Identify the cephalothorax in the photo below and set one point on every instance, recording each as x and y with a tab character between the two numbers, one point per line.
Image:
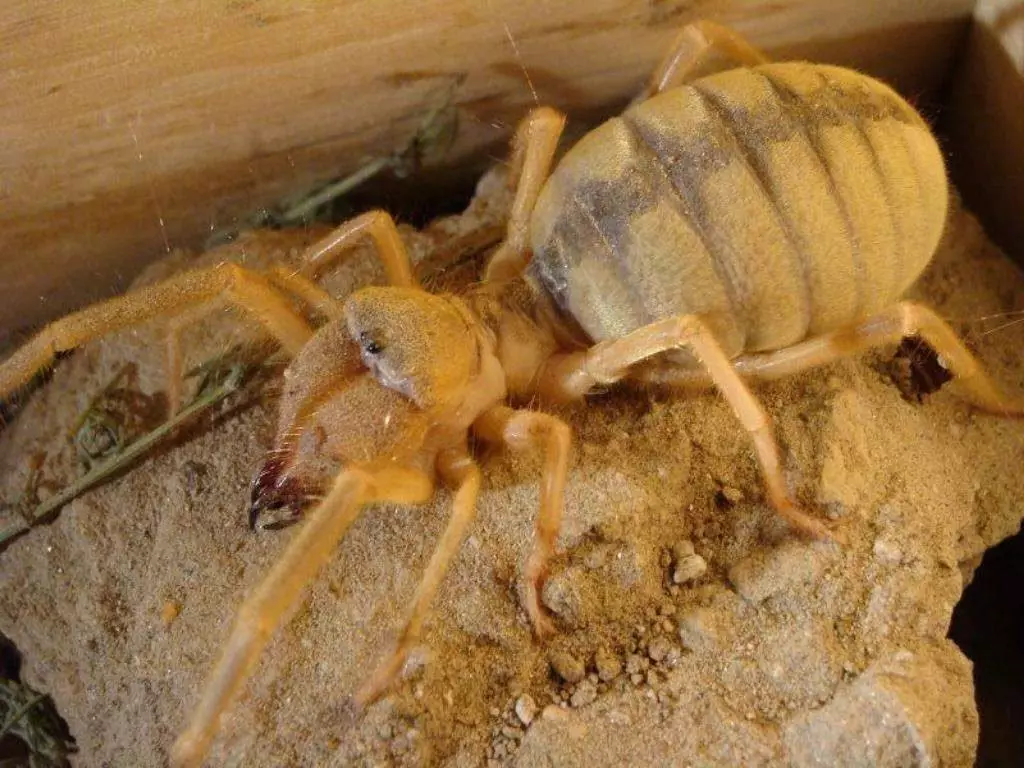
747	224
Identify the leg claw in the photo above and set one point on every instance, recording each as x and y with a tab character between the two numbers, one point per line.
543	627
816	529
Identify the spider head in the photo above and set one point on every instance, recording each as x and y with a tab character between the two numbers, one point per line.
366	387
413	342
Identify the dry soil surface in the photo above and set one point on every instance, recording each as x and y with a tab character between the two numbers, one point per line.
695	629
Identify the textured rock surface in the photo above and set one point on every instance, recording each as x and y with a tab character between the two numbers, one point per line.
906	709
779	651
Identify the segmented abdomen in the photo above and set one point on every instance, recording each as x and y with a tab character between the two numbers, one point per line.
779	201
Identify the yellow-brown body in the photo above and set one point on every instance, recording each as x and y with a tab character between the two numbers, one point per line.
779	202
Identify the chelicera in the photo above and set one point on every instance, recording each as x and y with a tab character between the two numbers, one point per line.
741	226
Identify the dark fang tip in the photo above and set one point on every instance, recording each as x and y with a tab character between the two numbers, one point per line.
266	479
275	501
254	514
272	516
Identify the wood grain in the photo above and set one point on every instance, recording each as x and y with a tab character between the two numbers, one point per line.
127	129
985	122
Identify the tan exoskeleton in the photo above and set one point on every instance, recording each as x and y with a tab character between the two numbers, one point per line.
747	224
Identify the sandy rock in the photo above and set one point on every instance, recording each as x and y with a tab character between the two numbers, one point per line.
584	694
608	665
767	572
689	569
658	649
887	551
689	566
626	729
844	485
700	630
568	667
526	709
628	567
563	595
909	709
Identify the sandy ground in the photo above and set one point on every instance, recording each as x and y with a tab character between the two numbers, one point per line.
778	652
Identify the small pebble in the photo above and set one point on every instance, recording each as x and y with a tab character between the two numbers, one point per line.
768	572
584	694
688	569
633	664
658	649
567	666
732	495
526	709
563	595
682	549
608	665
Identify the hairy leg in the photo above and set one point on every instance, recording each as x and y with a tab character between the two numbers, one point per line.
304	288
689	50
172	348
241	287
528	430
380	228
285	280
277	595
571	376
533	151
457	468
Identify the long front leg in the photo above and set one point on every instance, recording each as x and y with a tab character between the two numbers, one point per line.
284	280
572	376
533	151
277	595
457	468
527	430
690	49
241	287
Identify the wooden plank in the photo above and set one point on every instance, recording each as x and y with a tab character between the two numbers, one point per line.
131	128
985	122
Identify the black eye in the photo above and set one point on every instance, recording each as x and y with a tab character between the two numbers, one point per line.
371	346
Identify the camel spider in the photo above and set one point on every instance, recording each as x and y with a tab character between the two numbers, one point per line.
745	225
